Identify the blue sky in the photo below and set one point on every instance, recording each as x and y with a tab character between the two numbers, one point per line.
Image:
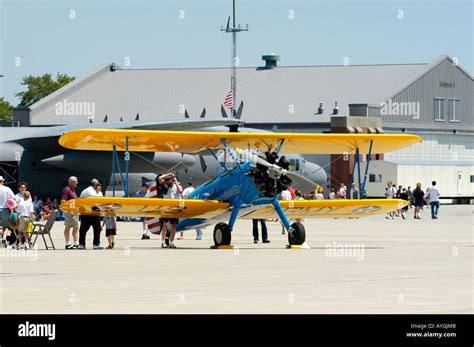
39	36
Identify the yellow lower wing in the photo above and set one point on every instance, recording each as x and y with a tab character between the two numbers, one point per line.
329	208
144	207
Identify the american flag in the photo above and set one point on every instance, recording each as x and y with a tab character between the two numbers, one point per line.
153	223
229	100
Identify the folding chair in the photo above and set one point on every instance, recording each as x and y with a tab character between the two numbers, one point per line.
45	229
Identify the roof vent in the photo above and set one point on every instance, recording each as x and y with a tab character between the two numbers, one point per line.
320	109
270	61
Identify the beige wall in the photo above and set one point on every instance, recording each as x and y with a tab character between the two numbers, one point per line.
446	177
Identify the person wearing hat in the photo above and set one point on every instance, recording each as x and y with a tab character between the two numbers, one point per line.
141	194
88	221
70	221
5	194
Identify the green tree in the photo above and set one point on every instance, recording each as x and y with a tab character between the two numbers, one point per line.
40	86
6	111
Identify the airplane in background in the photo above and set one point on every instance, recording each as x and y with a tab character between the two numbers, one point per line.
249	189
32	154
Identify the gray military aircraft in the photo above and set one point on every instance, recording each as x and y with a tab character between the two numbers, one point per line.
32	154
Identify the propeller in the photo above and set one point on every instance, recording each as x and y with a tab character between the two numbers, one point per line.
275	171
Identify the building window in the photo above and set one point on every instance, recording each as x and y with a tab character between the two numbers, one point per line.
373	178
472	178
453	110
439	110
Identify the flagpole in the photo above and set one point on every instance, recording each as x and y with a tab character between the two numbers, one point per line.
233	80
234	61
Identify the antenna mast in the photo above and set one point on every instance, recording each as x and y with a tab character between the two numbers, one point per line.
234	30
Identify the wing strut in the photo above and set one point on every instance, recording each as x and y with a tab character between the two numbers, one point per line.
280	146
351	179
362	191
116	162
361	184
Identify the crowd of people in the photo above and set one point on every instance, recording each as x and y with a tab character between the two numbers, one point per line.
22	220
30	209
417	199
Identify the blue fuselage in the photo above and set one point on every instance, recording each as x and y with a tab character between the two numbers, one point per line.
235	187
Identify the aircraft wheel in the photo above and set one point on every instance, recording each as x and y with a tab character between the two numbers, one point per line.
298	235
222	234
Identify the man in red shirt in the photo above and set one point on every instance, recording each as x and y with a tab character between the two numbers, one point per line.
70	221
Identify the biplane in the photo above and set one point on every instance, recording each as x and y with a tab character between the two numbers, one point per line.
249	189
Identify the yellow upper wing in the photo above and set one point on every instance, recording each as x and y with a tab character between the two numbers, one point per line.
329	208
193	142
144	207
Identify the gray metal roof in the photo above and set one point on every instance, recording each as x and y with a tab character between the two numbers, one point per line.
284	94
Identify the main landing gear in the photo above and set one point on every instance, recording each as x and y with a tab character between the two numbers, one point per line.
296	234
222	234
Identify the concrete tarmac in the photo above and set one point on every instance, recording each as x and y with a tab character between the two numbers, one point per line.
369	265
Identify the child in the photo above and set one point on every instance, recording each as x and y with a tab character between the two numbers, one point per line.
110	230
27	214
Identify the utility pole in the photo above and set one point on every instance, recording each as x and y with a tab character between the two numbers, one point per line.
234	30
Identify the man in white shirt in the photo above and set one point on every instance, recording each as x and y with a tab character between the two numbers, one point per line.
390	192
88	221
22	187
433	196
5	193
186	192
285	195
342	192
174	192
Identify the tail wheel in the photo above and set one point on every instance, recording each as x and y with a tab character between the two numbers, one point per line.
298	235
222	234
